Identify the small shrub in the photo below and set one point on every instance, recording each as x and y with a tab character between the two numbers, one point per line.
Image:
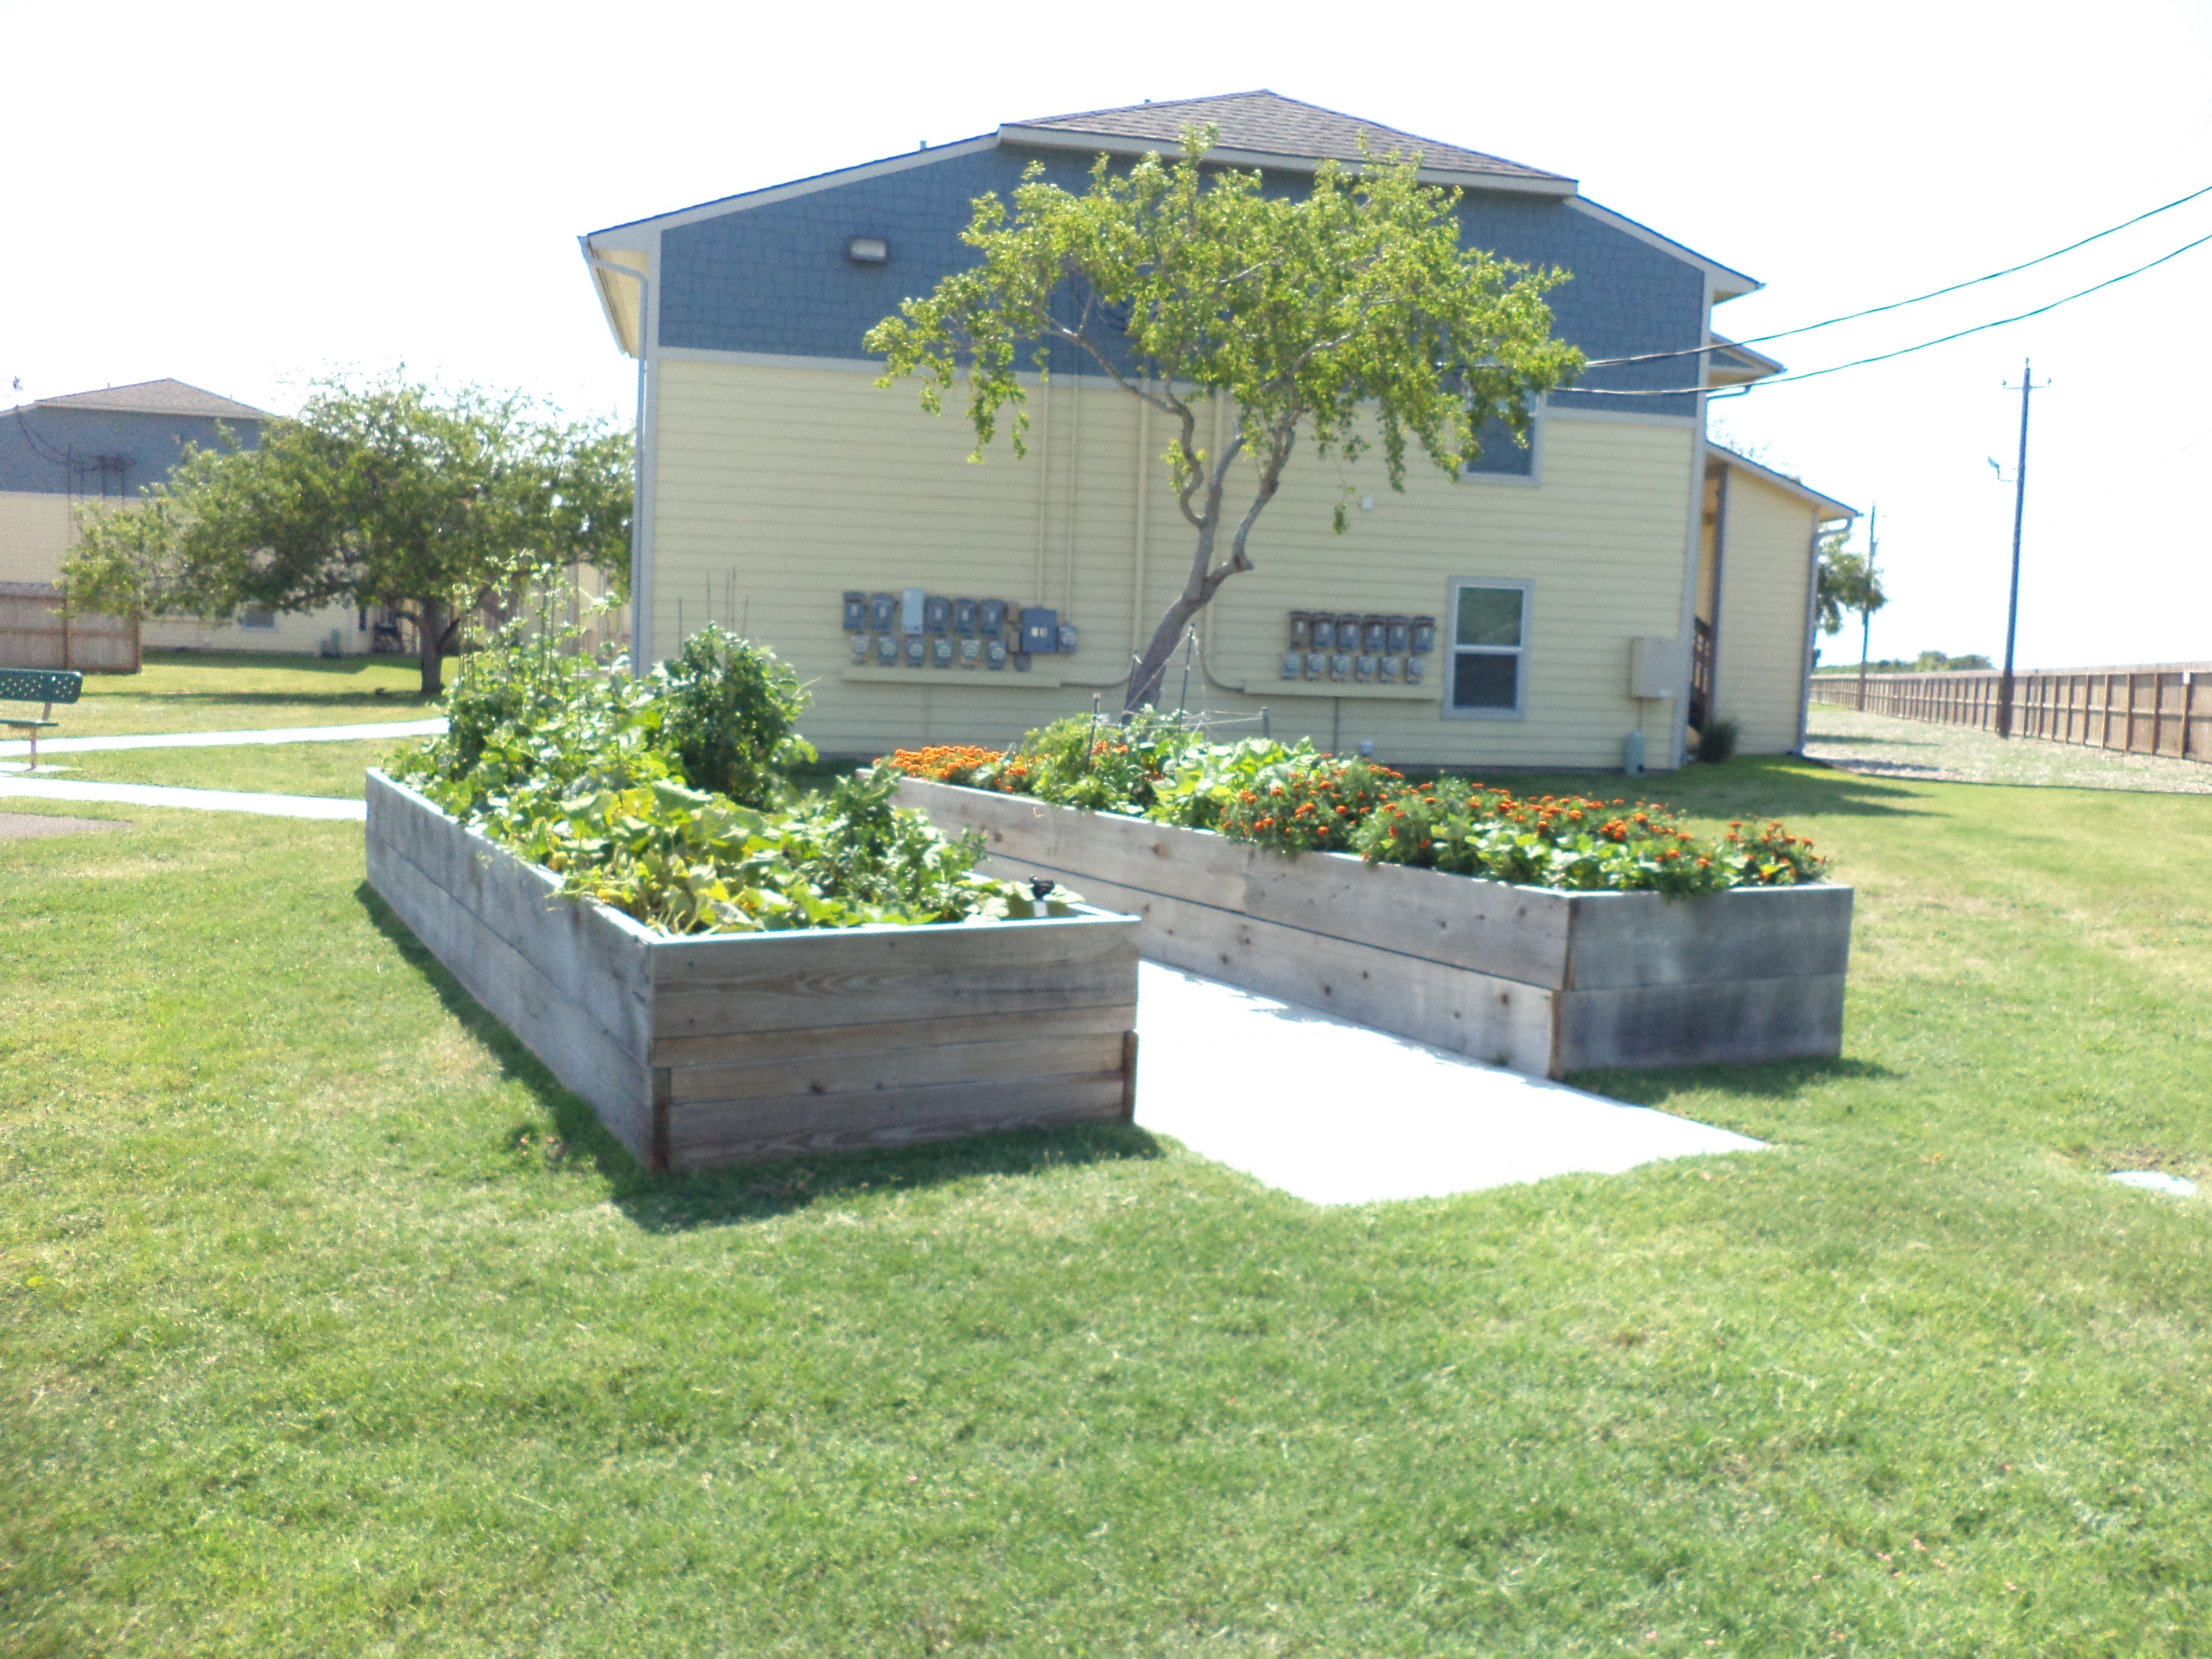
1301	805
1717	741
727	707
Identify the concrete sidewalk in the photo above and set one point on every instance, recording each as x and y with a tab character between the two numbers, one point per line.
1336	1113
202	800
14	747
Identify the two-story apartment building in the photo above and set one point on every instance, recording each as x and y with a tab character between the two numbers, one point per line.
1532	612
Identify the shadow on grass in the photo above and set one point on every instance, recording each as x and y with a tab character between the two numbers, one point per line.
677	1201
1755	786
380	699
1773	1080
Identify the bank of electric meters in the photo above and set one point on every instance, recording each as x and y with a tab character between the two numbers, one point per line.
1358	649
928	630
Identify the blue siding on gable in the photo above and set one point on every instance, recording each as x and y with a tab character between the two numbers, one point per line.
774	279
38	445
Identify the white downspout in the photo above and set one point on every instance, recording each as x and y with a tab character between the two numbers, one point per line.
640	523
1679	743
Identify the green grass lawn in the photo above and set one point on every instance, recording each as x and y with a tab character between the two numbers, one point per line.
282	768
223	691
329	1325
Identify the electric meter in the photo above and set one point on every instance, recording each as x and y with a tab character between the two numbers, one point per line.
990	616
1425	634
971	652
856	613
860	647
1340	665
995	654
940	652
1301	629
887	648
1415	667
1316	665
1322	626
1400	637
917	650
1374	633
963	616
1366	667
1294	664
883	612
936	614
1068	636
1387	670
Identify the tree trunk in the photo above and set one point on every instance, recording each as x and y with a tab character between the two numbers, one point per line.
1153	666
430	629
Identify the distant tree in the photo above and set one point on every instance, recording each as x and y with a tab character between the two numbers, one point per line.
1845	583
1350	313
381	494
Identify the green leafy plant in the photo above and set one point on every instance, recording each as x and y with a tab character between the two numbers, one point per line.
727	707
1716	740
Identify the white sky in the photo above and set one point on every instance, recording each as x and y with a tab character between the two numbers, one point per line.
247	198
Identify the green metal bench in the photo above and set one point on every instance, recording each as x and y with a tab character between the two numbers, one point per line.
44	686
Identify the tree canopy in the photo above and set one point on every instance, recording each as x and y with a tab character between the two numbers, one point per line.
384	494
1847	582
1349	314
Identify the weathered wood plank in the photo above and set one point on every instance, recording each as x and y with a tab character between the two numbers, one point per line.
1748	933
1498	1021
705	1135
574	1045
1692	1023
1515	933
1112	1013
596	959
856	1070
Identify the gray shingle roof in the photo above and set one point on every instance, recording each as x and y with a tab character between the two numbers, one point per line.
1267	124
157	398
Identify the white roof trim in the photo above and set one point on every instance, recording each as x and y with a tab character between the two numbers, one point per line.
1728	283
1727	457
1093	143
738	203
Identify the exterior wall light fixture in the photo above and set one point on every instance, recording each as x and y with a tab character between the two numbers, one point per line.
867	250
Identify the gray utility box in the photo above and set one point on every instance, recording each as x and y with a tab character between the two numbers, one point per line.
1530	978
725	1048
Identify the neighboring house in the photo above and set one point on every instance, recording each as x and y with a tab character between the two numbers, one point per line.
1570	582
90	450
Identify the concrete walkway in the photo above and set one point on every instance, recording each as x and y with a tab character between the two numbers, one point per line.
230	739
1336	1113
203	801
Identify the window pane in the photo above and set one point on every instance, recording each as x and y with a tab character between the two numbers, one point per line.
1483	680
1489	616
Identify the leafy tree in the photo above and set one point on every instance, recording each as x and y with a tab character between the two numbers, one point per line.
1847	583
382	495
1351	314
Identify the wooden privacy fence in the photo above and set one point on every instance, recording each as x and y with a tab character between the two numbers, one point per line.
37	630
2161	708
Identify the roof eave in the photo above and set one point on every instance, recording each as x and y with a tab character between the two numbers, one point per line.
1825	507
1119	143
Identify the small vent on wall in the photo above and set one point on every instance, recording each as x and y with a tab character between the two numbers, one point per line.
867	250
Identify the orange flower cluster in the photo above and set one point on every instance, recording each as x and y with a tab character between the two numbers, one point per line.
944	762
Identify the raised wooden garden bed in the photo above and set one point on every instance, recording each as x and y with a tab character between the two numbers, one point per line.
722	1049
1534	979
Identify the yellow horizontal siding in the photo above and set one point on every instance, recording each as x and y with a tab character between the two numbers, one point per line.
1765	566
777	489
294	634
34	533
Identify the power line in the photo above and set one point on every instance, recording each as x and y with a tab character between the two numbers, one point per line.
1902	352
1896	305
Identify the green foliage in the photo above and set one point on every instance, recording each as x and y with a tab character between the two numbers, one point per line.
1847	582
1213	776
378	495
1716	740
726	707
1300	804
584	771
1350	314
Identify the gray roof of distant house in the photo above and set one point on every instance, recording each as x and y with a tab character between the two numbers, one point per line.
158	398
1267	124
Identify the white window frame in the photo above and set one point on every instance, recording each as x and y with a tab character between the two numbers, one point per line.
1451	650
1537	422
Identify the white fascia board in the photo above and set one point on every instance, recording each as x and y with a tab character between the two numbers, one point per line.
1728	283
1826	507
1730	364
594	249
1093	143
599	279
739	203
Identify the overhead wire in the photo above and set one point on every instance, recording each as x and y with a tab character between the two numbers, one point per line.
1898	305
1902	352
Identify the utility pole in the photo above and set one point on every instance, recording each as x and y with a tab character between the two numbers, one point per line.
2019	512
1865	616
